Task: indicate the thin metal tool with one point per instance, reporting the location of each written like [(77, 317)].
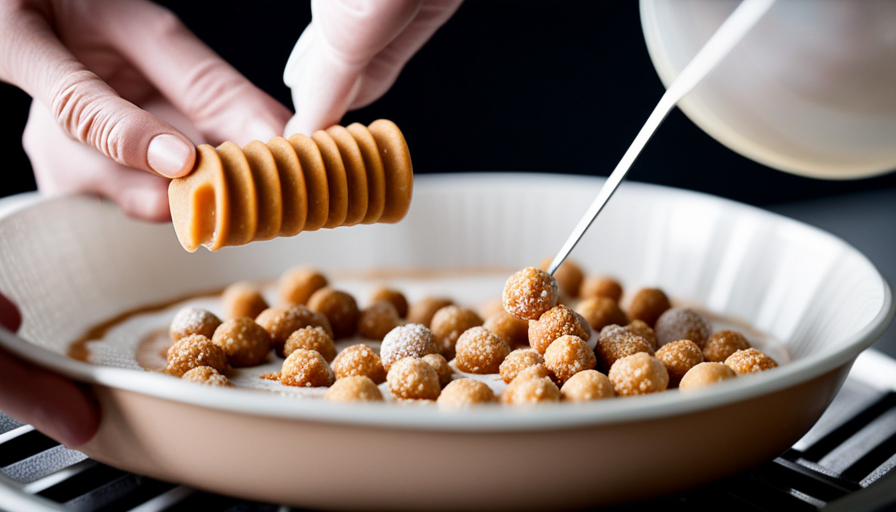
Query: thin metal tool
[(725, 38)]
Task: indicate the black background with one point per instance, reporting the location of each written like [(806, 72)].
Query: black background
[(505, 85)]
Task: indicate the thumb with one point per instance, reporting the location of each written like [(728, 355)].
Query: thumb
[(84, 106)]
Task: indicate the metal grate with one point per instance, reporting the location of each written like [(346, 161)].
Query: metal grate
[(842, 464)]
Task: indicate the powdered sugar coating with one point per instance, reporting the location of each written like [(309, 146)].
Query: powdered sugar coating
[(567, 356), (412, 378), (587, 385), (679, 357), (311, 338), (412, 340), (354, 389), (208, 376), (706, 374), (194, 351), (306, 369), (750, 361), (615, 342), (449, 323), (555, 322), (517, 361), (638, 374), (724, 343), (480, 351), (190, 320), (465, 393), (529, 293), (359, 360), (643, 330), (682, 324)]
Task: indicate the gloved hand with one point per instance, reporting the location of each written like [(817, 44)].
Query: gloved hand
[(104, 74), (352, 52)]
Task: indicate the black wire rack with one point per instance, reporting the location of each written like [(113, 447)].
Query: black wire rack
[(842, 464)]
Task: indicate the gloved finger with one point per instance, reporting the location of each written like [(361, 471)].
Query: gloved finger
[(84, 106), (214, 96), (326, 65), (384, 68), (63, 166)]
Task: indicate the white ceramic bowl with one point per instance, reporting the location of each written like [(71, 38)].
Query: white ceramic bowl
[(73, 262), (809, 89)]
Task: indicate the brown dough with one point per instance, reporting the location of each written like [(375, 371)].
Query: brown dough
[(267, 187), (243, 201), (315, 174), (376, 177), (292, 187), (199, 202), (355, 174), (397, 164), (336, 182)]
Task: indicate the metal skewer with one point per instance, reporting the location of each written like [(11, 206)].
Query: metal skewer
[(722, 41)]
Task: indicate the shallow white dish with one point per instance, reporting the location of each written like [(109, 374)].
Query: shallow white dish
[(71, 263)]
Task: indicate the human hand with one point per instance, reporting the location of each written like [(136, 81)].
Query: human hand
[(352, 52), (103, 75), (51, 403)]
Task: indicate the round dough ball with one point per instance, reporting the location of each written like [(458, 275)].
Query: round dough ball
[(568, 275), (517, 361), (679, 357), (395, 297), (597, 286), (449, 323), (638, 374), (705, 374), (359, 360), (422, 312), (244, 342), (567, 356), (465, 393), (377, 320), (480, 351), (514, 331), (243, 299), (615, 342), (682, 324), (412, 378), (296, 285), (412, 340), (555, 322), (600, 312), (194, 351), (647, 305), (340, 309), (529, 293), (587, 385), (643, 330), (280, 322), (440, 365), (207, 376), (189, 320), (311, 338), (354, 389), (724, 343), (306, 369), (530, 391), (750, 361)]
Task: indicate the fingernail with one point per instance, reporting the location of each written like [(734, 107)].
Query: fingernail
[(168, 155)]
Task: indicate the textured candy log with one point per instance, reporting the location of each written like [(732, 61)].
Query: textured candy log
[(341, 176)]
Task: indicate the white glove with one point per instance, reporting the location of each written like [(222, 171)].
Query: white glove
[(352, 52)]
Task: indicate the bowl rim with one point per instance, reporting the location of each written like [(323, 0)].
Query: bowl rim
[(482, 419)]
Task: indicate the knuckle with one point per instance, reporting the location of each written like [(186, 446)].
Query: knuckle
[(212, 87)]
